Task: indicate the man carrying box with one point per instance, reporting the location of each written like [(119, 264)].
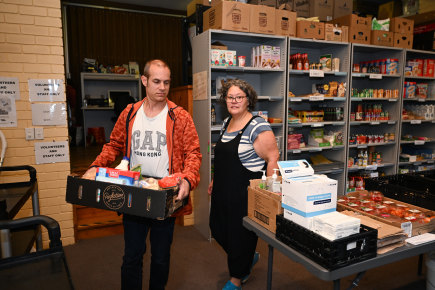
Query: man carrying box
[(161, 137)]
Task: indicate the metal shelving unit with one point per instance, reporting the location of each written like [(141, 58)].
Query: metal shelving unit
[(360, 81), (270, 85), (96, 85), (423, 128), (301, 83)]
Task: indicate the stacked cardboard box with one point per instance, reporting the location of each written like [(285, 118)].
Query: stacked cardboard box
[(323, 9), (383, 38), (237, 16), (310, 29), (403, 30), (336, 33), (359, 27)]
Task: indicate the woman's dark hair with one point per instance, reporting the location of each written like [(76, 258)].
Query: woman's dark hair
[(244, 86)]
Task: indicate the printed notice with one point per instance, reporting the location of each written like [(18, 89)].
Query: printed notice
[(199, 89), (10, 87), (48, 114), (51, 152), (49, 90), (8, 111)]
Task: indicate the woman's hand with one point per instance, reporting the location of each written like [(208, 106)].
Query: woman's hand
[(210, 187)]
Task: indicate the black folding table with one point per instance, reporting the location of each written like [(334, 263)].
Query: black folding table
[(359, 268)]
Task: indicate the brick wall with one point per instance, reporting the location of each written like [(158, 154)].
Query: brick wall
[(31, 47)]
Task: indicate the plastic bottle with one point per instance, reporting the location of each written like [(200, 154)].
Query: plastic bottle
[(213, 115), (263, 180), (276, 185)]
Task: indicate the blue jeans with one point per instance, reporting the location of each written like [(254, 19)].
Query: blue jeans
[(135, 234)]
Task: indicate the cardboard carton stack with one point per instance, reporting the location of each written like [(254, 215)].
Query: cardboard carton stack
[(237, 16), (359, 27), (403, 30)]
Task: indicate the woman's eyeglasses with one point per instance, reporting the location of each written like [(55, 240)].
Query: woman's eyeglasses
[(237, 99)]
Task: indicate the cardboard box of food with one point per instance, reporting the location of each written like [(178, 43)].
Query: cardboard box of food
[(402, 25), (302, 8), (262, 19), (342, 7), (263, 205), (403, 40), (271, 3), (191, 7), (322, 9), (359, 27), (411, 228), (285, 22), (227, 15), (384, 38), (310, 29), (336, 33), (157, 204)]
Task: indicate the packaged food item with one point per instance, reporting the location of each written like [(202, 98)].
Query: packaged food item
[(170, 180)]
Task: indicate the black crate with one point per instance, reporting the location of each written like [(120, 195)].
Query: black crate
[(329, 254), (157, 204), (409, 188)]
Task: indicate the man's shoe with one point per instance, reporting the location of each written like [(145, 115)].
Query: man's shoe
[(254, 261), (231, 286)]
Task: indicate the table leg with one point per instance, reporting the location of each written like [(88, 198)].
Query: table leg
[(269, 268), (5, 240), (337, 284), (420, 265)]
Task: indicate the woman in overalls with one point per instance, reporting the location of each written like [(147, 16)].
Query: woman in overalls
[(246, 146)]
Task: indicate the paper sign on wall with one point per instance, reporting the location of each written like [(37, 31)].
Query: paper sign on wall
[(10, 87), (51, 152), (45, 114), (199, 89), (8, 111), (47, 90)]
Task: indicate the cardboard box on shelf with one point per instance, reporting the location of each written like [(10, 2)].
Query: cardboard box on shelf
[(227, 15), (310, 29), (359, 27), (285, 22), (302, 8), (360, 36), (342, 7), (384, 38), (262, 19), (403, 40), (389, 10), (123, 198), (402, 25), (271, 3), (263, 205), (336, 33), (191, 7), (284, 4), (322, 9)]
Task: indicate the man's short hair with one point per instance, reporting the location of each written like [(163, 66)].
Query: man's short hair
[(157, 62)]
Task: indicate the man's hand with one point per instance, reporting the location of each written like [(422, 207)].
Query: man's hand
[(90, 173), (184, 189)]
